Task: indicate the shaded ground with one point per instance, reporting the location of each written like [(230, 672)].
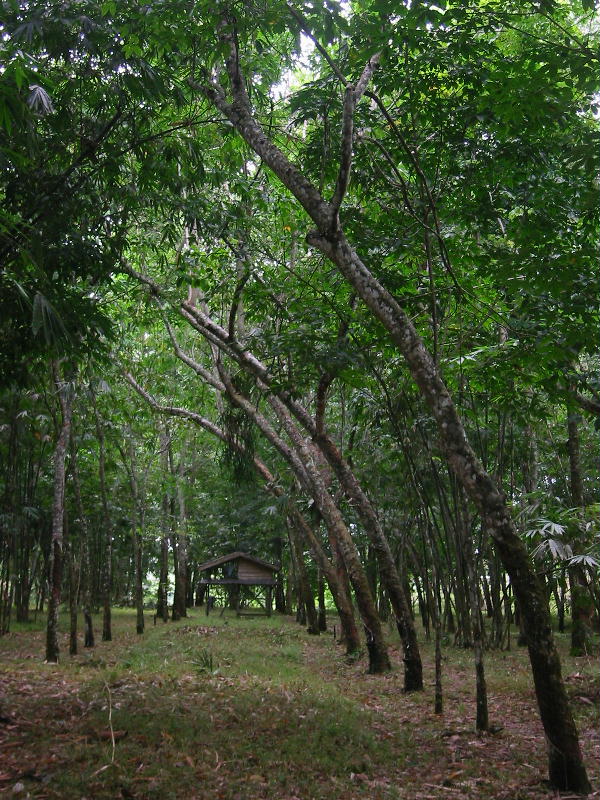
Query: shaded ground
[(243, 709)]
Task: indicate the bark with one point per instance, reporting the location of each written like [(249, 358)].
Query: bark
[(322, 614), (74, 575), (301, 459), (336, 577), (279, 587), (283, 403), (413, 670), (340, 583), (498, 623), (582, 606), (439, 694), (106, 589), (179, 541), (162, 607), (65, 397), (566, 767), (138, 577), (180, 593), (482, 716), (435, 601), (136, 523), (305, 594), (85, 570), (310, 475)]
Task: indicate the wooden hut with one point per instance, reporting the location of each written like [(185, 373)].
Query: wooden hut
[(238, 570)]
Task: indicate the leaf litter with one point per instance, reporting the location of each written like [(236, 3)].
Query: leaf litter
[(246, 736)]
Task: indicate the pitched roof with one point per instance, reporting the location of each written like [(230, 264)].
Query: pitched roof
[(216, 562)]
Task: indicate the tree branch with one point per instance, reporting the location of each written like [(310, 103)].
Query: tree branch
[(343, 177), (587, 403), (235, 303), (351, 98), (203, 373), (173, 411), (239, 113), (303, 22)]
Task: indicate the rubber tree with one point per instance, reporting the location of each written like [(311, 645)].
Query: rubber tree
[(64, 390), (566, 767)]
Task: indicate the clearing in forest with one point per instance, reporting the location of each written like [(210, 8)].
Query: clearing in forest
[(238, 709)]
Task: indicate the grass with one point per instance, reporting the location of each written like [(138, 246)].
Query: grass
[(238, 709)]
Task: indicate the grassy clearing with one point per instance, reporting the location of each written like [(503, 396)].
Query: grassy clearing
[(255, 708)]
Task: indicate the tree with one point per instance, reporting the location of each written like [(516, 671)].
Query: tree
[(565, 763)]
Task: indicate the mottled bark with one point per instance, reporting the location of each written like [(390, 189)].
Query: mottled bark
[(311, 477), (136, 523), (468, 554), (303, 461), (74, 574), (413, 670)]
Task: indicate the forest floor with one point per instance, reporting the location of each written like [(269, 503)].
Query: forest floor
[(243, 709)]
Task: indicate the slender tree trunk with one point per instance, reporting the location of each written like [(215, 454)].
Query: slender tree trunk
[(582, 607), (106, 579), (321, 445), (65, 396), (466, 543), (74, 576), (388, 573), (302, 460), (321, 599), (138, 577), (179, 543), (279, 587), (337, 578), (437, 623), (305, 594), (85, 568), (162, 605)]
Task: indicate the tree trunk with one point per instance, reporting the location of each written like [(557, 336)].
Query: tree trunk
[(314, 450), (582, 606), (321, 598), (566, 767), (65, 396), (106, 579), (179, 543), (85, 567), (303, 462), (468, 555), (279, 587), (74, 573), (305, 595), (138, 579), (388, 573)]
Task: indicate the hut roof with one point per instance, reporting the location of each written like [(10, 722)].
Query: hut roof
[(216, 562)]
